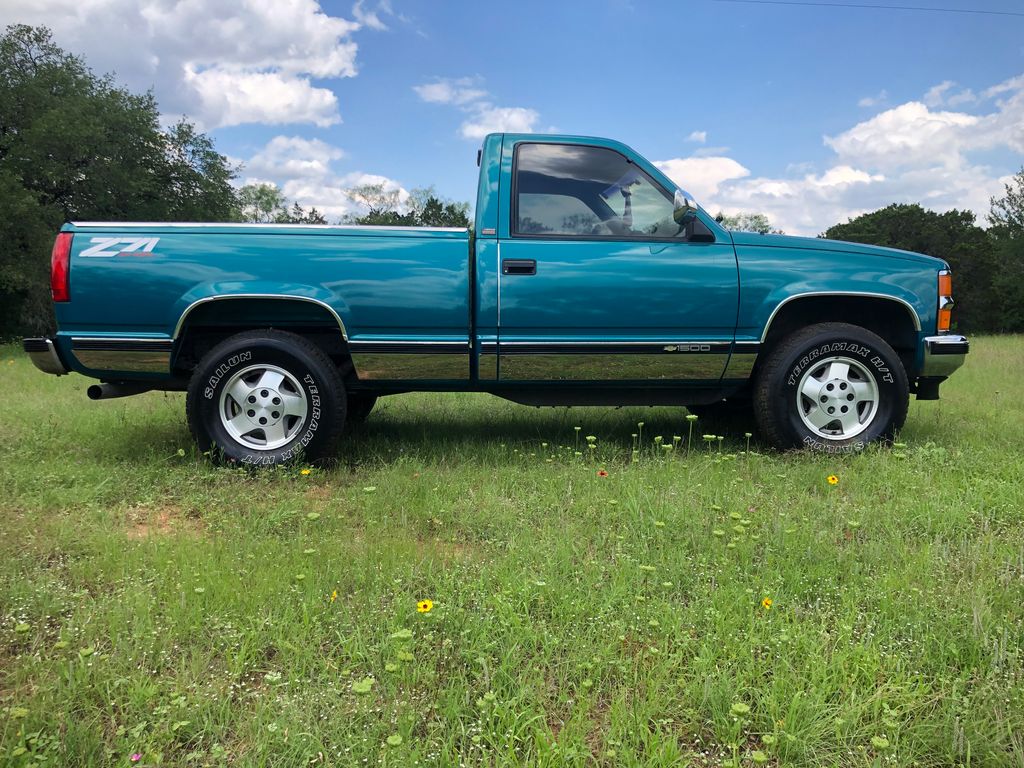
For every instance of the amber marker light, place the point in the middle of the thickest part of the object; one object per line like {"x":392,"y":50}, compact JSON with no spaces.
{"x":945,"y":300}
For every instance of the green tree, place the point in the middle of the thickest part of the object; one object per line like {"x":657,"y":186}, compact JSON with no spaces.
{"x":952,"y":236}
{"x":262,"y":203}
{"x":1006,"y":218}
{"x":383,"y":207}
{"x":196,"y":178}
{"x":75,"y":146}
{"x":298,"y":215}
{"x":433,"y":211}
{"x":423,"y":208}
{"x":266,"y":204}
{"x":748,"y":222}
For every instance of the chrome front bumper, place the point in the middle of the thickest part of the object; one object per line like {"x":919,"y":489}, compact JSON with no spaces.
{"x":943,"y":355}
{"x":44,"y":356}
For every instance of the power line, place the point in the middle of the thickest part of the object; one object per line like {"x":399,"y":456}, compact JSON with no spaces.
{"x":875,"y":7}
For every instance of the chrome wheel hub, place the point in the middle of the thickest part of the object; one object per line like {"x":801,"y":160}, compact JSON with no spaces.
{"x":837,"y":398}
{"x":263,"y":407}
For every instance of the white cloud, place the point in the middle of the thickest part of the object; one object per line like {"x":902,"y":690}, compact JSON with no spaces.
{"x":484,"y":117}
{"x":222,"y":62}
{"x":370,"y":18}
{"x":231,"y":97}
{"x":451,"y":91}
{"x":698,"y":137}
{"x":294,"y":157}
{"x":942,"y":95}
{"x":934,"y":96}
{"x":304,"y":170}
{"x":874,"y":101}
{"x":1013,"y":84}
{"x":702,"y":176}
{"x":905,"y":135}
{"x":911,"y":153}
{"x":489,"y":119}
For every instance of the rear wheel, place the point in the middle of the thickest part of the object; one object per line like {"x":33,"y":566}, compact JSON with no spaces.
{"x":266,"y":397}
{"x":832,"y":387}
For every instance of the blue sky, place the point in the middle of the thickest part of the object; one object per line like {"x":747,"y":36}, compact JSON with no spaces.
{"x":809,"y":114}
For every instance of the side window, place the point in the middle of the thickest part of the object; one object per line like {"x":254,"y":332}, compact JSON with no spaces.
{"x":572,"y":190}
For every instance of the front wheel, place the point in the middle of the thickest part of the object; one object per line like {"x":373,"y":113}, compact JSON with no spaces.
{"x":831,"y":387}
{"x":266,"y":397}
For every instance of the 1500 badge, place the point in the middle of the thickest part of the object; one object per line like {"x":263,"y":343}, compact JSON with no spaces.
{"x":105,"y":247}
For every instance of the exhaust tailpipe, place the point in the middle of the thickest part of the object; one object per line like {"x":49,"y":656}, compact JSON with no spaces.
{"x":106,"y":391}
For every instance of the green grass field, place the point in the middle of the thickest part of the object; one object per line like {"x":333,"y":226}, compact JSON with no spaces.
{"x":153,"y":605}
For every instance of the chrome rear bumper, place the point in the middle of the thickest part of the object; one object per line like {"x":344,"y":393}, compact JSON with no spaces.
{"x":44,"y":356}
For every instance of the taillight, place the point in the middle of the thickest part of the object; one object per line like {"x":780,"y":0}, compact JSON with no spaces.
{"x":945,"y":300}
{"x":60,"y":267}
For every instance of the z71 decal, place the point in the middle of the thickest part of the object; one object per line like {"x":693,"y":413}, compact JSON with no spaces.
{"x":105,"y":247}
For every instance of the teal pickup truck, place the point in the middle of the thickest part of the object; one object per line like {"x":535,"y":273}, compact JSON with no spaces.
{"x":588,"y":278}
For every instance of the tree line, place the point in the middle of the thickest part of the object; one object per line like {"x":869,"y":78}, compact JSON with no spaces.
{"x":76,"y":146}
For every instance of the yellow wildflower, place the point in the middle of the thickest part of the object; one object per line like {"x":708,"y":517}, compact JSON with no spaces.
{"x":424,"y":606}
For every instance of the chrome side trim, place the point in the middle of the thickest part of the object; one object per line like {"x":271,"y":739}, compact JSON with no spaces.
{"x":124,"y":360}
{"x":120,"y":344}
{"x":487,"y":367}
{"x":913,"y":312}
{"x":121,"y":339}
{"x":944,"y":354}
{"x":418,"y":345}
{"x":123,"y":353}
{"x":43,"y":355}
{"x":672,"y":346}
{"x":406,"y":366}
{"x":741,"y":365}
{"x":220,"y":297}
{"x":249,"y":225}
{"x":612,"y":367}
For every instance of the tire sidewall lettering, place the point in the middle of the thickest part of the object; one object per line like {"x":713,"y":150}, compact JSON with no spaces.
{"x":293,"y":450}
{"x":869,"y":356}
{"x":814,"y":445}
{"x":223,"y":370}
{"x":826,"y":350}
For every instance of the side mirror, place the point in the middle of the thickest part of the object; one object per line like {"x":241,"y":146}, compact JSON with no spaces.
{"x":698,"y":232}
{"x":684,"y":209}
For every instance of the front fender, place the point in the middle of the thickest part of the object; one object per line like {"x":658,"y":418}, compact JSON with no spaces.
{"x":770,"y":278}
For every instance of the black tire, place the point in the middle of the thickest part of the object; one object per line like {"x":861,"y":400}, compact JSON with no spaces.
{"x":359,"y":406}
{"x":834,"y":366}
{"x":293,"y":387}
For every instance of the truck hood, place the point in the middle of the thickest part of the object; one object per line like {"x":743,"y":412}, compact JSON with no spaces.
{"x":837,"y":246}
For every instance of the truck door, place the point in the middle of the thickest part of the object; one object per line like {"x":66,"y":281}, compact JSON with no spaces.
{"x":597,"y":282}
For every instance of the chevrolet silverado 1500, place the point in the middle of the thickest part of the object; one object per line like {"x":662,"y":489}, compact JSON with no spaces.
{"x":588,"y":278}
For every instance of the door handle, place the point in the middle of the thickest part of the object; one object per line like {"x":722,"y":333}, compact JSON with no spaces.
{"x":518,"y":266}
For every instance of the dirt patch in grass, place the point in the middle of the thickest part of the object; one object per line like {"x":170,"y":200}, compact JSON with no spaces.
{"x":321,"y":493}
{"x":600,"y":724}
{"x":448,"y":552}
{"x":166,"y":520}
